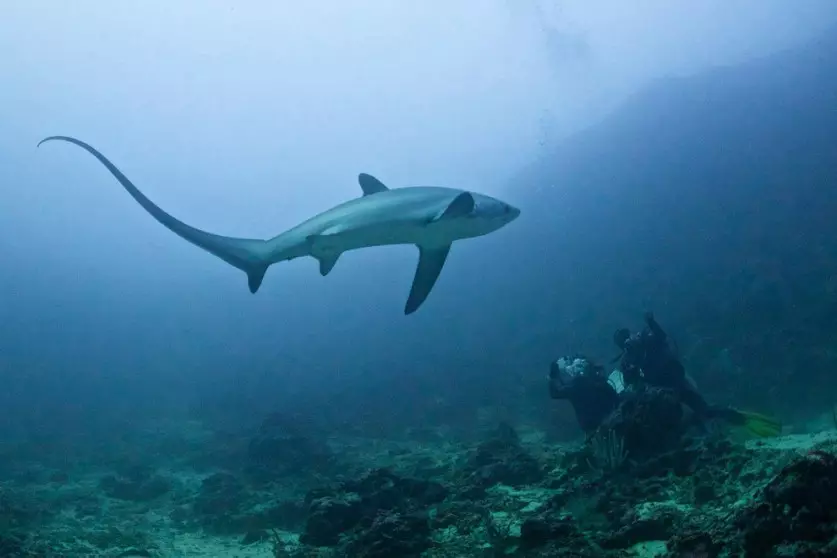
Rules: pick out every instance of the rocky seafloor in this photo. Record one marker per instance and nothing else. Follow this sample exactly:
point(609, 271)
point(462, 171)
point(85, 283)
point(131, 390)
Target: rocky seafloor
point(644, 485)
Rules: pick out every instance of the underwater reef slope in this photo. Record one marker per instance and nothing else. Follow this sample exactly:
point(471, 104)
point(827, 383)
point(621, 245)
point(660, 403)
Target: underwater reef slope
point(642, 485)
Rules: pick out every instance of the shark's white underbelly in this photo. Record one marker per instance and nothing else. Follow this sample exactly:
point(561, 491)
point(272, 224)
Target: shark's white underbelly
point(378, 235)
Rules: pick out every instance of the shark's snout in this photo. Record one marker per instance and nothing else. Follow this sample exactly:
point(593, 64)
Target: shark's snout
point(508, 214)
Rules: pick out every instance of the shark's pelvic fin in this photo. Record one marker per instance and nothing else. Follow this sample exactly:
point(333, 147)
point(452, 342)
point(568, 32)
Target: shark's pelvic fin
point(430, 264)
point(243, 253)
point(370, 185)
point(321, 247)
point(462, 205)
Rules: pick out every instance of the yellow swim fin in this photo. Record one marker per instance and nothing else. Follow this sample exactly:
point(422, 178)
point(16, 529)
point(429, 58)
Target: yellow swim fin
point(761, 425)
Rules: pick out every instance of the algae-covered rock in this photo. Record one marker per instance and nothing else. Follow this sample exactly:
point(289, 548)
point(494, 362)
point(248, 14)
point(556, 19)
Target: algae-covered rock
point(798, 507)
point(221, 495)
point(647, 423)
point(393, 534)
point(377, 502)
point(329, 517)
point(135, 490)
point(501, 460)
point(284, 447)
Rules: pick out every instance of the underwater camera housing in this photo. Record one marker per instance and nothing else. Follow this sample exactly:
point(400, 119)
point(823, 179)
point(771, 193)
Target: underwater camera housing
point(566, 368)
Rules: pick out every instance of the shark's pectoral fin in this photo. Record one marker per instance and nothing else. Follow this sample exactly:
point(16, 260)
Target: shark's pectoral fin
point(430, 264)
point(370, 185)
point(462, 205)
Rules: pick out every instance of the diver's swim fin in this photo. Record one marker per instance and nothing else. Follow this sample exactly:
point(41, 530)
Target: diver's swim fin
point(760, 425)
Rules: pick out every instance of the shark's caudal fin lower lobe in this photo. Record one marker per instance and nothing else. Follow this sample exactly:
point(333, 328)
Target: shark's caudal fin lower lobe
point(255, 276)
point(243, 253)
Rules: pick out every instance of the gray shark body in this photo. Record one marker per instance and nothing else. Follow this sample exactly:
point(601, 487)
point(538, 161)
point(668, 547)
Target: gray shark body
point(431, 218)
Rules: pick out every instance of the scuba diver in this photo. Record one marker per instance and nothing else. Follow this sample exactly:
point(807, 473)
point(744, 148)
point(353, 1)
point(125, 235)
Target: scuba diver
point(647, 359)
point(585, 386)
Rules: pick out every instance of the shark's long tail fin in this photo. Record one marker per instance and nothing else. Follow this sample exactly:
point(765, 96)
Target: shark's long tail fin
point(243, 253)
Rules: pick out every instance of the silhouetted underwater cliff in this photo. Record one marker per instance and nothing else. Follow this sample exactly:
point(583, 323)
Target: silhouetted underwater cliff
point(711, 200)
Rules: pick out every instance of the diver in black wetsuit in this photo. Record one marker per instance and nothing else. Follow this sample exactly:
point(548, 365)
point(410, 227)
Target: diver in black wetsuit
point(586, 387)
point(647, 359)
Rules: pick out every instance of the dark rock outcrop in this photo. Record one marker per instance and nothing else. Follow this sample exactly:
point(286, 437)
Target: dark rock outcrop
point(329, 517)
point(225, 505)
point(357, 513)
point(648, 422)
point(393, 534)
point(221, 497)
point(282, 447)
point(798, 509)
point(501, 460)
point(140, 486)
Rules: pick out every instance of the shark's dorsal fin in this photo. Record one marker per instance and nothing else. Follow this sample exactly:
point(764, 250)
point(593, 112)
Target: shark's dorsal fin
point(462, 205)
point(430, 264)
point(370, 185)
